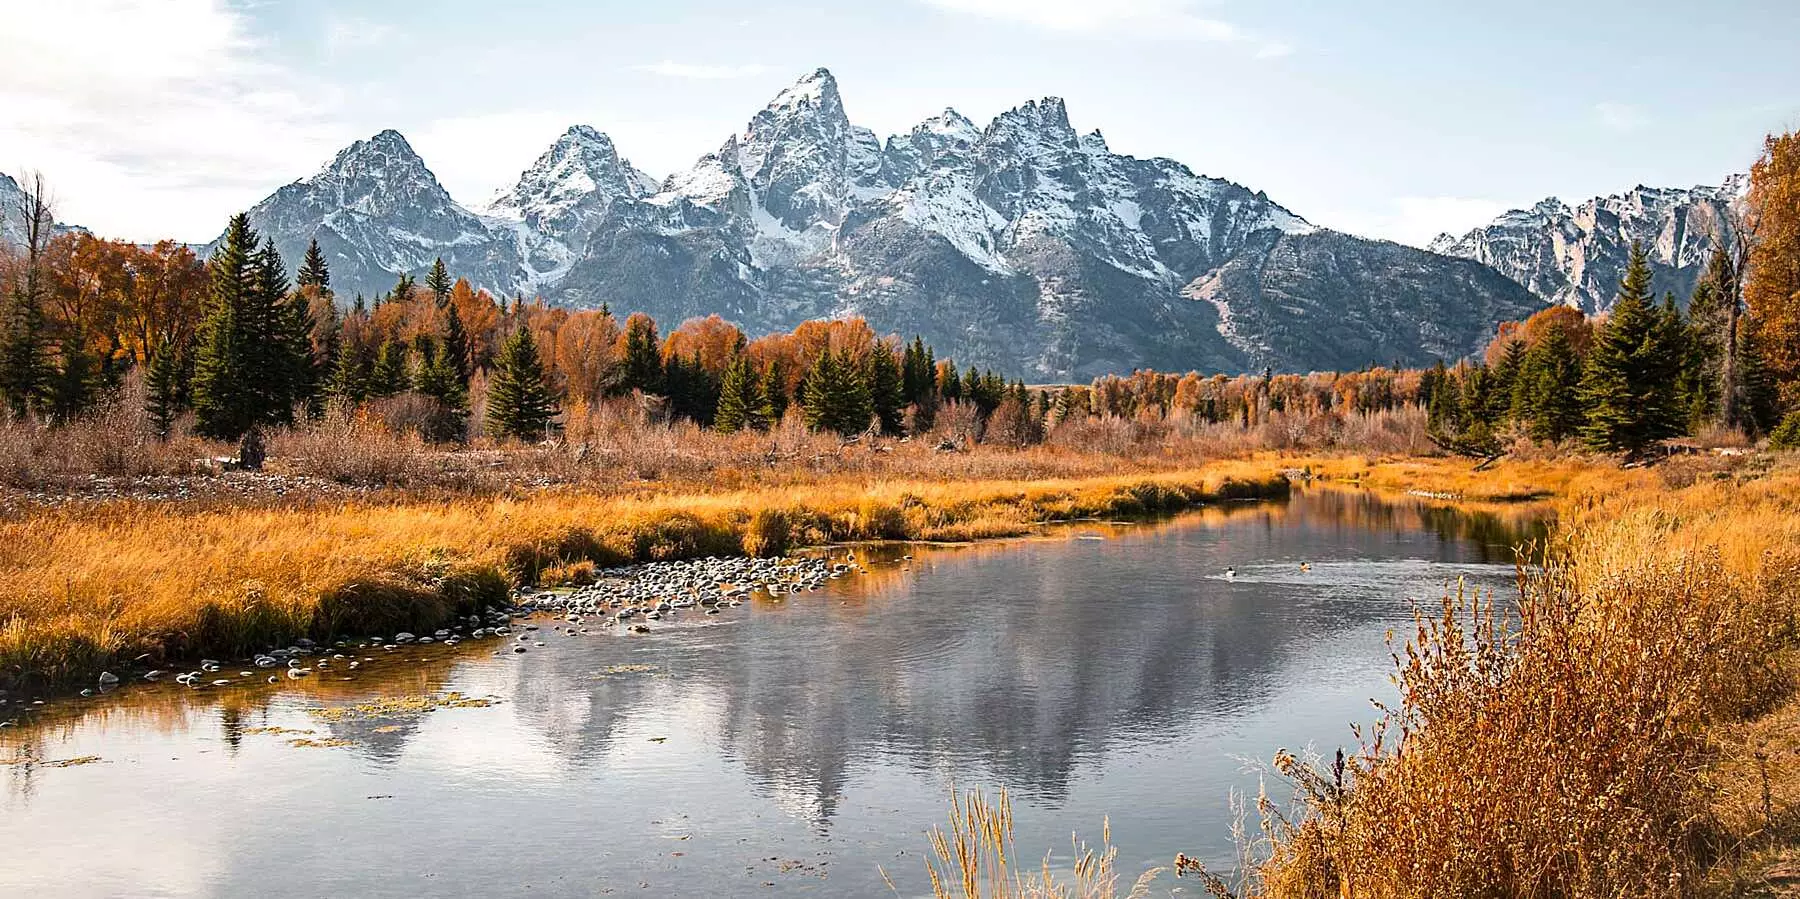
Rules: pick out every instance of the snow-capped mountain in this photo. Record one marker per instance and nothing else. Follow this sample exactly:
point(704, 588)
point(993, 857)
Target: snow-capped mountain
point(378, 212)
point(556, 204)
point(1576, 255)
point(1024, 244)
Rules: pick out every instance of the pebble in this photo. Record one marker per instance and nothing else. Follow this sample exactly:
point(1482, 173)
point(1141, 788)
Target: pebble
point(107, 678)
point(655, 589)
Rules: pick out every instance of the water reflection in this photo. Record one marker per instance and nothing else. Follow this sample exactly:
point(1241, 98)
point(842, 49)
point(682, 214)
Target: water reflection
point(1085, 675)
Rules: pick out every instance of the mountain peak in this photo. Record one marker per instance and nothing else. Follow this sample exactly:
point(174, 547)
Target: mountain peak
point(581, 168)
point(818, 90)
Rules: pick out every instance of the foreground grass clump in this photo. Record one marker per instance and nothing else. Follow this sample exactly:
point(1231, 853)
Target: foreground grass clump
point(977, 859)
point(1601, 741)
point(82, 588)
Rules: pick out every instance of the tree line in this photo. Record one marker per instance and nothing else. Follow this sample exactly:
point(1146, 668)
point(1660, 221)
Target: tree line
point(237, 344)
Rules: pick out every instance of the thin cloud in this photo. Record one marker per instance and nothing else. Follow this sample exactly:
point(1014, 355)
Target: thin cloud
point(163, 112)
point(1621, 116)
point(670, 69)
point(1146, 18)
point(344, 35)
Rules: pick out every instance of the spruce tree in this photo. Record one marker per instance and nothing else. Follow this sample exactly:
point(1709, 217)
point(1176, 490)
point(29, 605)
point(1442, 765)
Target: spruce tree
point(313, 270)
point(390, 376)
point(886, 389)
point(1548, 388)
point(225, 395)
point(438, 282)
point(643, 360)
point(743, 404)
point(518, 403)
point(774, 384)
point(820, 394)
point(1629, 383)
point(162, 383)
point(25, 369)
point(351, 373)
point(456, 344)
point(73, 387)
point(437, 378)
point(403, 291)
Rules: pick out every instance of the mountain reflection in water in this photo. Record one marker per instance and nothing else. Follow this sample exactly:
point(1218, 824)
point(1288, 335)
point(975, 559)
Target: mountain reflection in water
point(791, 746)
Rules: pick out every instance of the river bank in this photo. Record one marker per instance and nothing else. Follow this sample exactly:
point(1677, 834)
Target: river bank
point(88, 589)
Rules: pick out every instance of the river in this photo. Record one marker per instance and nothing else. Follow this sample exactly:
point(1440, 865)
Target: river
point(800, 746)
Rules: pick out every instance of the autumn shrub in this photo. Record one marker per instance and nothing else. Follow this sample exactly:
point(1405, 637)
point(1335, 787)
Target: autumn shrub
point(1571, 745)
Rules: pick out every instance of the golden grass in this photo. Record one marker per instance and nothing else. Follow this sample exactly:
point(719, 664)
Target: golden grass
point(81, 588)
point(977, 859)
point(1613, 737)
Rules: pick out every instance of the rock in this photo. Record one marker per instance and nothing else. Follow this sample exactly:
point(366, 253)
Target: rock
point(404, 637)
point(297, 673)
point(518, 649)
point(107, 678)
point(155, 675)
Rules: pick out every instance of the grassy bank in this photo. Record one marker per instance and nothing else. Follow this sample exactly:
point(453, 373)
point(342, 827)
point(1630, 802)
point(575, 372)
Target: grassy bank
point(1626, 732)
point(84, 588)
point(1632, 728)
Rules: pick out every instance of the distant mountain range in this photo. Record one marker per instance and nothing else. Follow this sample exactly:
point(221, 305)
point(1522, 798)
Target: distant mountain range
point(1022, 245)
point(1576, 256)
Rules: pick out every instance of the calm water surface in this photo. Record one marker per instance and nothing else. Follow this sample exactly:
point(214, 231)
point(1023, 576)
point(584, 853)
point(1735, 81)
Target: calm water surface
point(792, 747)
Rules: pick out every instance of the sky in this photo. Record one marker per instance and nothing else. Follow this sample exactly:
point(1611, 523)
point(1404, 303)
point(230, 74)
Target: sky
point(1398, 119)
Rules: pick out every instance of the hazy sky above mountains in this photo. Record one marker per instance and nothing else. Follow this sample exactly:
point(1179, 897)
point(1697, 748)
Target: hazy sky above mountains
point(1400, 119)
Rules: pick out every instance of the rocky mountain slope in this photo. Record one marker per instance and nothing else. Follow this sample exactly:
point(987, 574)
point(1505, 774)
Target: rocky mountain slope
point(1024, 245)
point(1576, 255)
point(12, 215)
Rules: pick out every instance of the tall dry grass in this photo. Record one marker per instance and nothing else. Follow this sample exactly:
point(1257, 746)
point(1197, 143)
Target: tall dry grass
point(1590, 743)
point(82, 587)
point(977, 859)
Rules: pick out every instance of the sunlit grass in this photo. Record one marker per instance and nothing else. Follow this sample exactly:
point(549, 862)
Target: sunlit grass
point(82, 588)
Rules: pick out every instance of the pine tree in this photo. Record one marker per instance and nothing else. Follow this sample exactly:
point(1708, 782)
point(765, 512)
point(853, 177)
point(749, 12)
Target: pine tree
point(25, 369)
point(518, 403)
point(1547, 393)
point(743, 404)
point(438, 282)
point(819, 395)
point(1629, 382)
point(1501, 403)
point(162, 383)
point(437, 378)
point(886, 394)
point(351, 373)
point(951, 388)
point(774, 384)
point(403, 291)
point(75, 382)
point(643, 361)
point(225, 398)
point(456, 344)
point(390, 375)
point(313, 270)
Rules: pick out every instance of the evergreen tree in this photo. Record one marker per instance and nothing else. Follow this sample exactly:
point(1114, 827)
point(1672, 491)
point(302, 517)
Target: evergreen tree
point(951, 388)
point(437, 378)
point(836, 395)
point(403, 291)
point(25, 369)
point(1547, 393)
point(743, 404)
point(1629, 383)
point(1758, 402)
point(75, 382)
point(225, 399)
point(390, 375)
point(438, 282)
point(774, 384)
point(858, 405)
point(518, 403)
point(313, 270)
point(163, 400)
point(351, 373)
point(1504, 387)
point(456, 344)
point(643, 361)
point(886, 388)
